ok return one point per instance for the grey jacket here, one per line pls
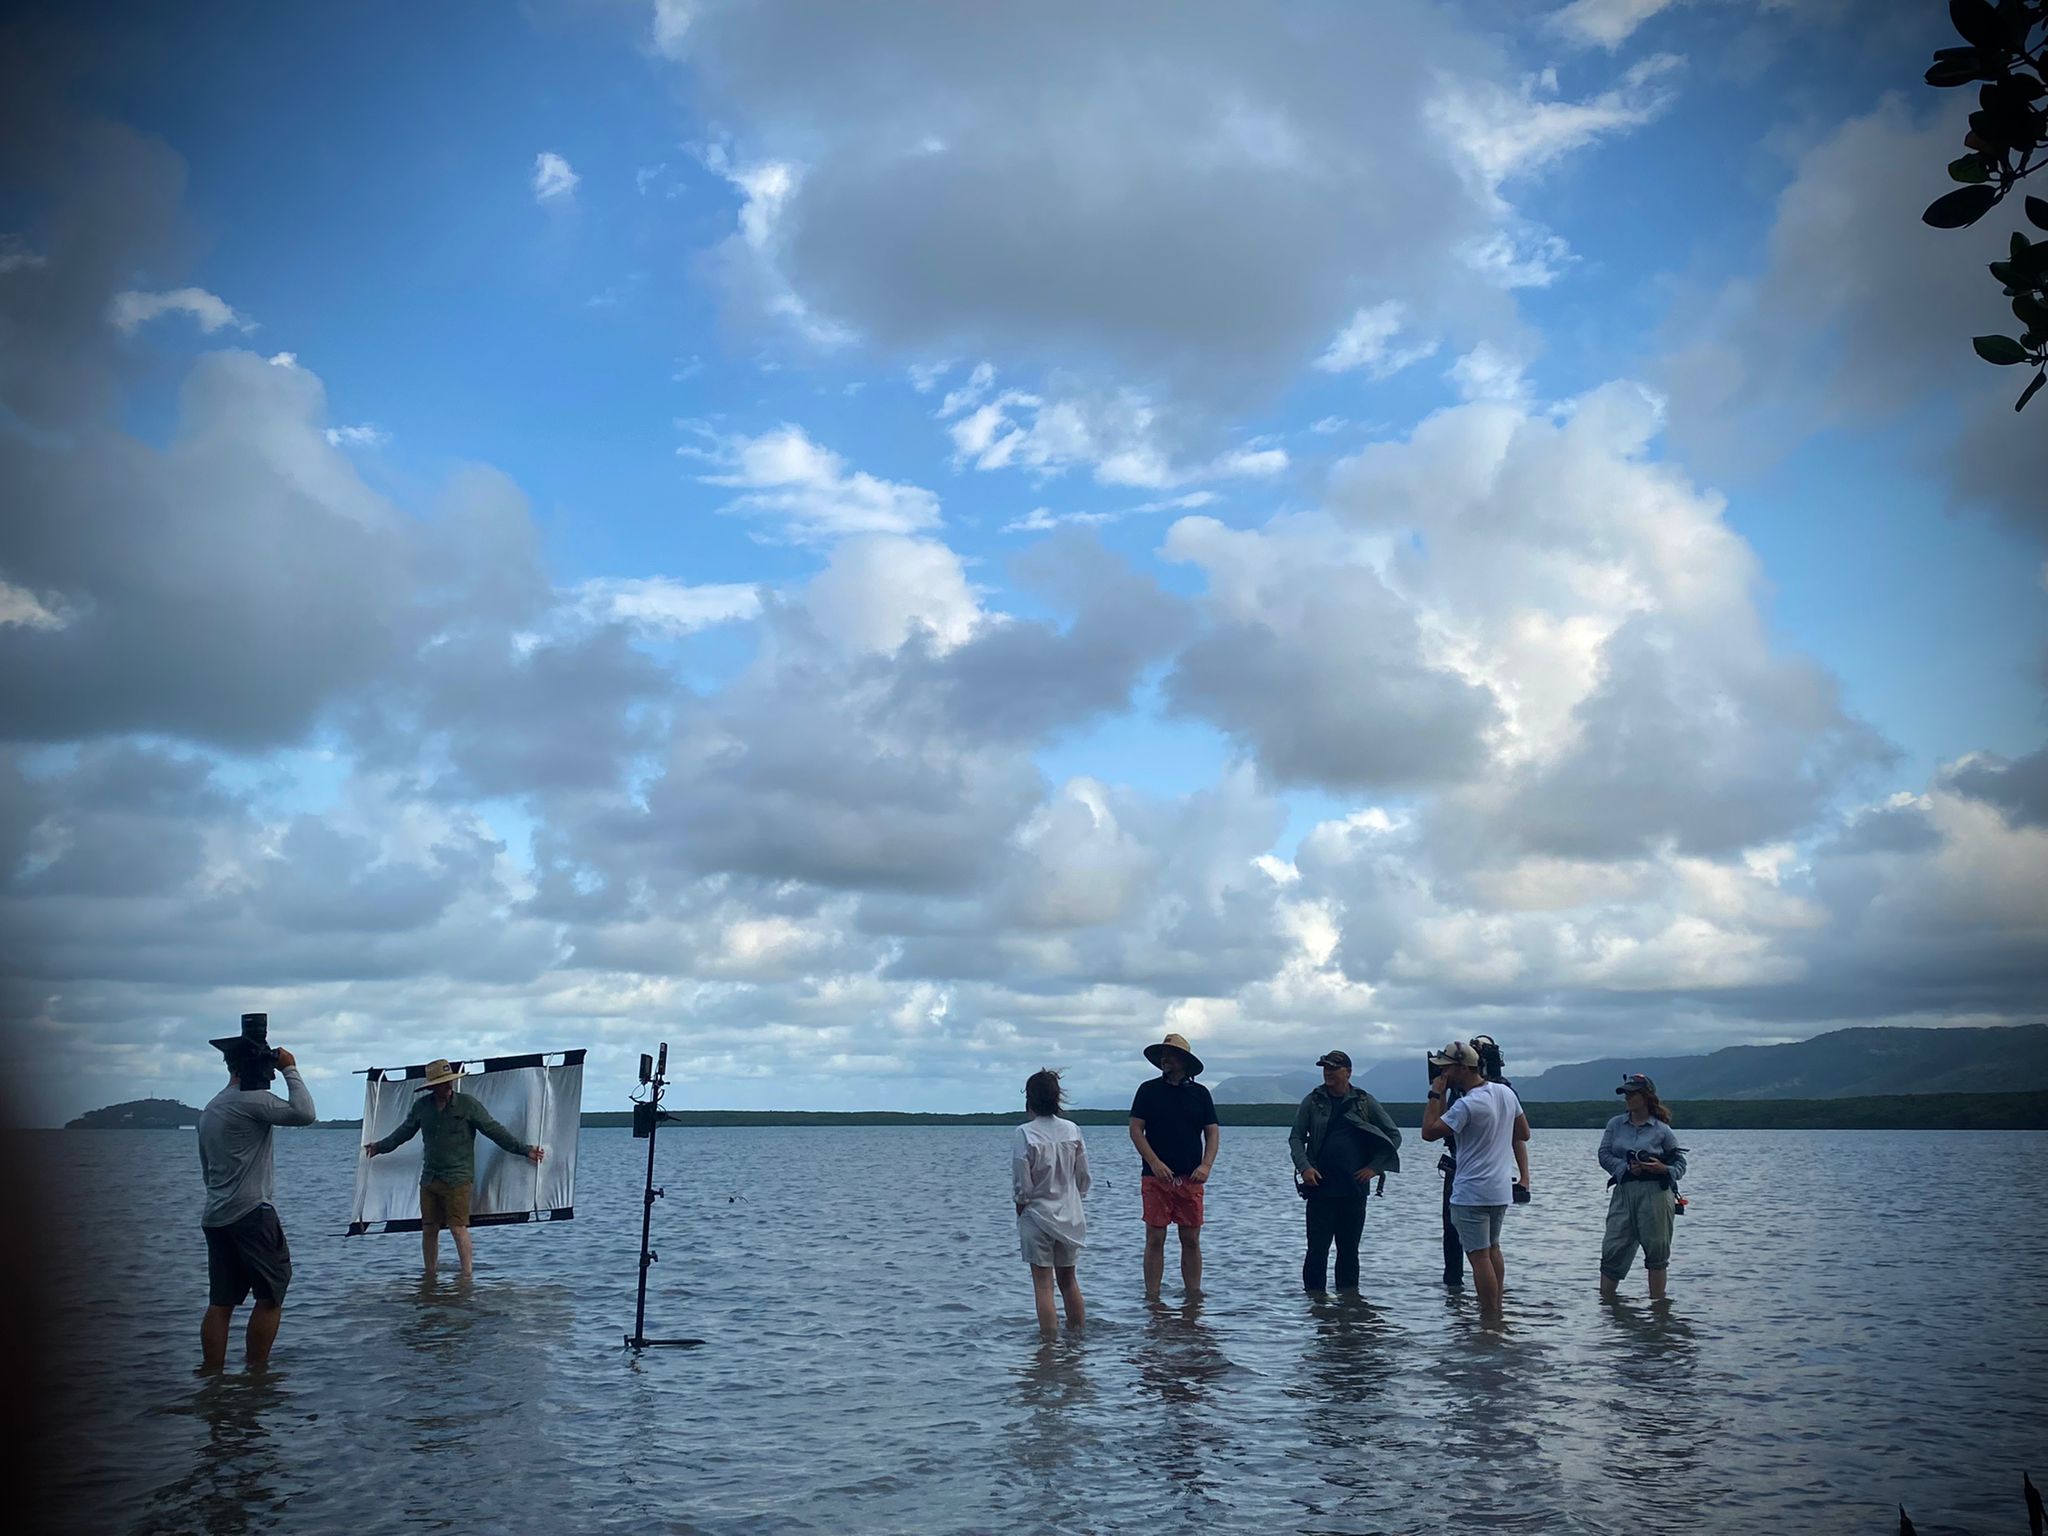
(1312, 1124)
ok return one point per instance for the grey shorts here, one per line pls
(1478, 1226)
(1041, 1247)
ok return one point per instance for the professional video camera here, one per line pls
(250, 1054)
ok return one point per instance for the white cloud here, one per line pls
(365, 435)
(1502, 134)
(809, 490)
(1045, 520)
(19, 606)
(1121, 438)
(1605, 23)
(878, 590)
(666, 607)
(1489, 373)
(669, 29)
(924, 377)
(15, 256)
(753, 257)
(553, 179)
(135, 308)
(1367, 342)
(1192, 209)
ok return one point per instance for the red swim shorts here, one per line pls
(1168, 1205)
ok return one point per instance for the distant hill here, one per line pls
(138, 1115)
(1845, 1063)
(1281, 1088)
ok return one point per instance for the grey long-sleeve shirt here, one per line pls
(1653, 1136)
(234, 1146)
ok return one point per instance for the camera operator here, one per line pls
(1644, 1162)
(1494, 1069)
(245, 1245)
(1488, 1121)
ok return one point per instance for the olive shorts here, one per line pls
(443, 1205)
(1639, 1215)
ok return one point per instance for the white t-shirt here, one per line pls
(1049, 1175)
(1484, 1123)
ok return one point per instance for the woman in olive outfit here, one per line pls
(1644, 1163)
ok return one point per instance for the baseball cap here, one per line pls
(1333, 1059)
(1457, 1053)
(1635, 1082)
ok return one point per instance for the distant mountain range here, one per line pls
(1845, 1063)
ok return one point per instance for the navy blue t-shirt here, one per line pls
(1175, 1117)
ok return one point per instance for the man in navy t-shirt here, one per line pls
(1173, 1126)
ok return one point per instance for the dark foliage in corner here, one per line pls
(2005, 54)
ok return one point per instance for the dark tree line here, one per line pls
(2005, 54)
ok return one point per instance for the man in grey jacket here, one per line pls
(1342, 1140)
(245, 1245)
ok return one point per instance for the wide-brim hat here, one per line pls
(254, 1038)
(439, 1072)
(1178, 1043)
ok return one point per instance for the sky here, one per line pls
(891, 546)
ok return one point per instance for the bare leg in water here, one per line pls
(262, 1332)
(1190, 1262)
(1155, 1261)
(213, 1338)
(1070, 1293)
(1489, 1278)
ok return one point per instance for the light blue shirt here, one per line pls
(1653, 1136)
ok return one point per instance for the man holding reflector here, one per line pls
(447, 1123)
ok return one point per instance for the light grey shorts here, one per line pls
(1478, 1225)
(1041, 1247)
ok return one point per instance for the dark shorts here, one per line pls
(248, 1255)
(443, 1205)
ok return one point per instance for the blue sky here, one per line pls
(692, 298)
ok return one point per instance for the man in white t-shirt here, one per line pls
(1488, 1121)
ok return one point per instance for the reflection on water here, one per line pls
(236, 1482)
(874, 1365)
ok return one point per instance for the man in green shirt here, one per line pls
(447, 1123)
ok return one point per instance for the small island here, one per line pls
(138, 1115)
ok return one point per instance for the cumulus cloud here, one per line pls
(878, 590)
(363, 435)
(983, 184)
(554, 180)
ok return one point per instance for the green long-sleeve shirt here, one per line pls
(449, 1137)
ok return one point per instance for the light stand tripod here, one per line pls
(647, 1117)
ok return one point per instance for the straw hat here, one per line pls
(439, 1072)
(1178, 1043)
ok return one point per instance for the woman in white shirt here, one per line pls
(1048, 1177)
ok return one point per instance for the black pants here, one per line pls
(1454, 1251)
(1343, 1221)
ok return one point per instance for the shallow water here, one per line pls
(1857, 1320)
